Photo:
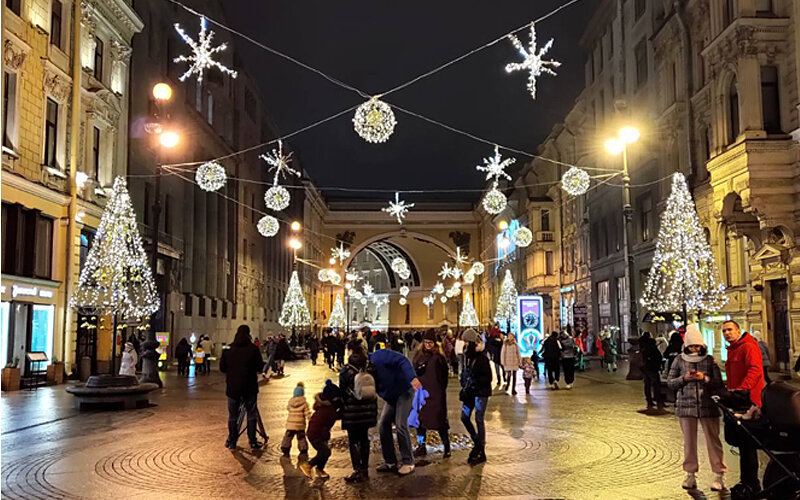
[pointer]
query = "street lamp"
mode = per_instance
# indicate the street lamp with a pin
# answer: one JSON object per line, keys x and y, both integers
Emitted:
{"x": 616, "y": 145}
{"x": 296, "y": 226}
{"x": 168, "y": 139}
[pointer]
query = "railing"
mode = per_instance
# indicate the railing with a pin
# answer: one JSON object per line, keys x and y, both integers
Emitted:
{"x": 545, "y": 236}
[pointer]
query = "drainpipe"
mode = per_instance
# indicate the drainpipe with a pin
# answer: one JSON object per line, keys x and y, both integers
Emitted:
{"x": 73, "y": 167}
{"x": 686, "y": 42}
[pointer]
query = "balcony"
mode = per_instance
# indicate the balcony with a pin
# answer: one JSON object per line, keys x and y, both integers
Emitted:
{"x": 545, "y": 236}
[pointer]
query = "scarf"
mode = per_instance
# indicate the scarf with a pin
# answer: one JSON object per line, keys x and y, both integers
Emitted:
{"x": 692, "y": 358}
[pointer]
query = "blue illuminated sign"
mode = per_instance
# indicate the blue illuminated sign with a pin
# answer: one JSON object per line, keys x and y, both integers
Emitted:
{"x": 529, "y": 324}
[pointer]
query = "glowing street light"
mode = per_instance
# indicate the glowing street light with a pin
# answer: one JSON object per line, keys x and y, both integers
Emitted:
{"x": 295, "y": 244}
{"x": 502, "y": 225}
{"x": 614, "y": 146}
{"x": 162, "y": 92}
{"x": 168, "y": 139}
{"x": 296, "y": 226}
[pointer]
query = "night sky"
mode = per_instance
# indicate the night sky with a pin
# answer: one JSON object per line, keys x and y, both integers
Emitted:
{"x": 376, "y": 45}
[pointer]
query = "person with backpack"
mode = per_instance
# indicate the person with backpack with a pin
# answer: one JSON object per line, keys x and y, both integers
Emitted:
{"x": 396, "y": 382}
{"x": 359, "y": 408}
{"x": 241, "y": 364}
{"x": 551, "y": 353}
{"x": 476, "y": 387}
{"x": 567, "y": 357}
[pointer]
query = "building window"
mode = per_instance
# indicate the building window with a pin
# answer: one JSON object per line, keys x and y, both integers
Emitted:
{"x": 733, "y": 112}
{"x": 645, "y": 216}
{"x": 9, "y": 108}
{"x": 210, "y": 110}
{"x": 640, "y": 53}
{"x": 187, "y": 301}
{"x": 55, "y": 23}
{"x": 50, "y": 133}
{"x": 548, "y": 263}
{"x": 225, "y": 309}
{"x": 27, "y": 242}
{"x": 770, "y": 99}
{"x": 96, "y": 153}
{"x": 639, "y": 8}
{"x": 201, "y": 310}
{"x": 213, "y": 308}
{"x": 98, "y": 59}
{"x": 14, "y": 6}
{"x": 602, "y": 292}
{"x": 86, "y": 238}
{"x": 545, "y": 220}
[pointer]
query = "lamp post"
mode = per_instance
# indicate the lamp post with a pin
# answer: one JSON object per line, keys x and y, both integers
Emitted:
{"x": 616, "y": 145}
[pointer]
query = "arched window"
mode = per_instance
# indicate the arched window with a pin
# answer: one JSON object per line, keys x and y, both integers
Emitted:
{"x": 733, "y": 112}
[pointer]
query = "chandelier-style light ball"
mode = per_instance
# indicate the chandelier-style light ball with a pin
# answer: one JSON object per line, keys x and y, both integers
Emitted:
{"x": 374, "y": 121}
{"x": 478, "y": 268}
{"x": 323, "y": 275}
{"x": 400, "y": 266}
{"x": 352, "y": 292}
{"x": 404, "y": 290}
{"x": 210, "y": 176}
{"x": 494, "y": 202}
{"x": 268, "y": 226}
{"x": 403, "y": 301}
{"x": 335, "y": 278}
{"x": 575, "y": 181}
{"x": 523, "y": 236}
{"x": 450, "y": 292}
{"x": 363, "y": 301}
{"x": 277, "y": 198}
{"x": 443, "y": 299}
{"x": 469, "y": 277}
{"x": 359, "y": 295}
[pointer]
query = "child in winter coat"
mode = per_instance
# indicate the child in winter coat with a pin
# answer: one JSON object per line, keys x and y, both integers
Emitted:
{"x": 326, "y": 405}
{"x": 695, "y": 377}
{"x": 528, "y": 371}
{"x": 129, "y": 359}
{"x": 299, "y": 413}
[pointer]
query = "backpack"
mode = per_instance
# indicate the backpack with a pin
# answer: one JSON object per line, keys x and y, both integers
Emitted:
{"x": 364, "y": 386}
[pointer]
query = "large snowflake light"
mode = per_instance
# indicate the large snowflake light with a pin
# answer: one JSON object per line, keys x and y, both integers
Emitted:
{"x": 210, "y": 176}
{"x": 202, "y": 53}
{"x": 495, "y": 166}
{"x": 279, "y": 162}
{"x": 446, "y": 271}
{"x": 575, "y": 181}
{"x": 533, "y": 61}
{"x": 340, "y": 253}
{"x": 398, "y": 208}
{"x": 374, "y": 121}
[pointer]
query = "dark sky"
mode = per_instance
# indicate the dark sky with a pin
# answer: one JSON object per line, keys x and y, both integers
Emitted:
{"x": 376, "y": 45}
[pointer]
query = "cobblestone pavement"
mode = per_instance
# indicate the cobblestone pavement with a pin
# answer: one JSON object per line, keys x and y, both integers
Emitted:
{"x": 588, "y": 443}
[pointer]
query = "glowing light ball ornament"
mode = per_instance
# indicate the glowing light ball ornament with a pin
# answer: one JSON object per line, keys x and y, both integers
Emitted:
{"x": 210, "y": 176}
{"x": 469, "y": 277}
{"x": 404, "y": 290}
{"x": 494, "y": 202}
{"x": 443, "y": 299}
{"x": 277, "y": 198}
{"x": 268, "y": 226}
{"x": 323, "y": 275}
{"x": 363, "y": 301}
{"x": 478, "y": 268}
{"x": 575, "y": 181}
{"x": 374, "y": 121}
{"x": 403, "y": 301}
{"x": 523, "y": 237}
{"x": 335, "y": 278}
{"x": 400, "y": 266}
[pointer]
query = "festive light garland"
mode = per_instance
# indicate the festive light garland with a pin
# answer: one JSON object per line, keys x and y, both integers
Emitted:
{"x": 468, "y": 315}
{"x": 522, "y": 236}
{"x": 116, "y": 278}
{"x": 294, "y": 312}
{"x": 210, "y": 176}
{"x": 533, "y": 60}
{"x": 684, "y": 272}
{"x": 374, "y": 121}
{"x": 494, "y": 201}
{"x": 277, "y": 198}
{"x": 268, "y": 226}
{"x": 507, "y": 300}
{"x": 575, "y": 181}
{"x": 202, "y": 53}
{"x": 338, "y": 318}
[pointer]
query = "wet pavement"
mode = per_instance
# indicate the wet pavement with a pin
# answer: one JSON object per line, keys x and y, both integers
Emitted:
{"x": 587, "y": 443}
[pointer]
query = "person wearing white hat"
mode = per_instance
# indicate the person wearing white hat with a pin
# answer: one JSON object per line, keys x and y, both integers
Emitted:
{"x": 695, "y": 377}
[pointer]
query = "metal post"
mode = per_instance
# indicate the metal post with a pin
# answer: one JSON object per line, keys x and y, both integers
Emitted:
{"x": 149, "y": 346}
{"x": 627, "y": 211}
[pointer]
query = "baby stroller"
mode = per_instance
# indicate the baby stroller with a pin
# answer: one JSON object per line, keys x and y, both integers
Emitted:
{"x": 777, "y": 433}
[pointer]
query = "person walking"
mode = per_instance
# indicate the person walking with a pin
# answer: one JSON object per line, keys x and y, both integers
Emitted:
{"x": 299, "y": 413}
{"x": 432, "y": 371}
{"x": 208, "y": 348}
{"x": 609, "y": 351}
{"x": 494, "y": 344}
{"x": 448, "y": 349}
{"x": 510, "y": 359}
{"x": 396, "y": 382}
{"x": 241, "y": 364}
{"x": 183, "y": 353}
{"x": 651, "y": 373}
{"x": 695, "y": 377}
{"x": 476, "y": 388}
{"x": 551, "y": 354}
{"x": 313, "y": 349}
{"x": 528, "y": 371}
{"x": 765, "y": 362}
{"x": 129, "y": 359}
{"x": 745, "y": 377}
{"x": 199, "y": 359}
{"x": 359, "y": 409}
{"x": 340, "y": 345}
{"x": 319, "y": 429}
{"x": 567, "y": 357}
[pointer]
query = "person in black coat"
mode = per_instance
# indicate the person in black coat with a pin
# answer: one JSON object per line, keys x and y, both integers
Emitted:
{"x": 183, "y": 353}
{"x": 241, "y": 364}
{"x": 313, "y": 348}
{"x": 651, "y": 371}
{"x": 551, "y": 354}
{"x": 433, "y": 372}
{"x": 476, "y": 387}
{"x": 358, "y": 415}
{"x": 674, "y": 348}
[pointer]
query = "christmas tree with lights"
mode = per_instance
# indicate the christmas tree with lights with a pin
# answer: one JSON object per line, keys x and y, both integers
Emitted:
{"x": 468, "y": 315}
{"x": 337, "y": 319}
{"x": 506, "y": 302}
{"x": 116, "y": 278}
{"x": 295, "y": 311}
{"x": 684, "y": 273}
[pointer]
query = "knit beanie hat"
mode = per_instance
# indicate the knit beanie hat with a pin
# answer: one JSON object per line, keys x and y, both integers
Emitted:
{"x": 470, "y": 335}
{"x": 330, "y": 391}
{"x": 299, "y": 390}
{"x": 693, "y": 336}
{"x": 430, "y": 335}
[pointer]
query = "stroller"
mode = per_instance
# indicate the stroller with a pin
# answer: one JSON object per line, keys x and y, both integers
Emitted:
{"x": 777, "y": 433}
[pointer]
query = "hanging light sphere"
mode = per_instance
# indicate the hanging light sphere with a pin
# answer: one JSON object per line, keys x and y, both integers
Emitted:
{"x": 523, "y": 237}
{"x": 268, "y": 226}
{"x": 494, "y": 202}
{"x": 403, "y": 301}
{"x": 323, "y": 275}
{"x": 443, "y": 299}
{"x": 277, "y": 198}
{"x": 469, "y": 277}
{"x": 400, "y": 266}
{"x": 352, "y": 292}
{"x": 374, "y": 121}
{"x": 359, "y": 295}
{"x": 335, "y": 278}
{"x": 363, "y": 301}
{"x": 404, "y": 290}
{"x": 575, "y": 181}
{"x": 210, "y": 176}
{"x": 478, "y": 268}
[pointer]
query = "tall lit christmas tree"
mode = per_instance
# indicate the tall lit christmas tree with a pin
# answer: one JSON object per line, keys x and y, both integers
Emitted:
{"x": 468, "y": 315}
{"x": 295, "y": 311}
{"x": 338, "y": 318}
{"x": 684, "y": 273}
{"x": 506, "y": 302}
{"x": 117, "y": 278}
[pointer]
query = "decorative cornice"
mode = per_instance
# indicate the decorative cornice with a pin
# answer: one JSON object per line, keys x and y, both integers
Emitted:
{"x": 14, "y": 52}
{"x": 56, "y": 85}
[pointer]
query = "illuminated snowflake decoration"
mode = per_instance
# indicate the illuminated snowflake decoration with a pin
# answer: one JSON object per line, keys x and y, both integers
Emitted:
{"x": 533, "y": 60}
{"x": 575, "y": 181}
{"x": 398, "y": 208}
{"x": 402, "y": 301}
{"x": 438, "y": 288}
{"x": 374, "y": 121}
{"x": 446, "y": 271}
{"x": 523, "y": 236}
{"x": 277, "y": 198}
{"x": 404, "y": 290}
{"x": 429, "y": 300}
{"x": 495, "y": 166}
{"x": 478, "y": 268}
{"x": 268, "y": 226}
{"x": 494, "y": 202}
{"x": 202, "y": 53}
{"x": 210, "y": 176}
{"x": 400, "y": 266}
{"x": 457, "y": 273}
{"x": 279, "y": 162}
{"x": 368, "y": 289}
{"x": 460, "y": 258}
{"x": 340, "y": 253}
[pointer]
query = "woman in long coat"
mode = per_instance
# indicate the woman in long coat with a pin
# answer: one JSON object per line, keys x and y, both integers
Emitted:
{"x": 510, "y": 359}
{"x": 432, "y": 371}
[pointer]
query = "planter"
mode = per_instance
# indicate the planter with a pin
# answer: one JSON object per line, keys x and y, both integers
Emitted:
{"x": 55, "y": 373}
{"x": 10, "y": 379}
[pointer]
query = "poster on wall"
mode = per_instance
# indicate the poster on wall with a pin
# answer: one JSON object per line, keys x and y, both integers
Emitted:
{"x": 529, "y": 323}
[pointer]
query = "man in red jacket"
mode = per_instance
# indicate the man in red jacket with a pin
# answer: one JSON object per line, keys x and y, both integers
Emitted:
{"x": 744, "y": 372}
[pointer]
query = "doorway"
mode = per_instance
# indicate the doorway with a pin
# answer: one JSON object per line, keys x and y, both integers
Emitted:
{"x": 780, "y": 322}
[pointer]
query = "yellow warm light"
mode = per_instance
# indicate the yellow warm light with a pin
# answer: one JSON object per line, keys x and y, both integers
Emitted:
{"x": 502, "y": 225}
{"x": 162, "y": 92}
{"x": 505, "y": 243}
{"x": 296, "y": 226}
{"x": 332, "y": 260}
{"x": 614, "y": 146}
{"x": 629, "y": 134}
{"x": 169, "y": 139}
{"x": 295, "y": 243}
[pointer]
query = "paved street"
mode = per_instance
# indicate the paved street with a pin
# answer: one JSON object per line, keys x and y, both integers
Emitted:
{"x": 581, "y": 444}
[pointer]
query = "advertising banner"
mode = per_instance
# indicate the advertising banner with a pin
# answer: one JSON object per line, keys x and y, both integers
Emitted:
{"x": 529, "y": 322}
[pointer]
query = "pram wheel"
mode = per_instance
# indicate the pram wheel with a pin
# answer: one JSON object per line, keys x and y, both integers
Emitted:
{"x": 778, "y": 485}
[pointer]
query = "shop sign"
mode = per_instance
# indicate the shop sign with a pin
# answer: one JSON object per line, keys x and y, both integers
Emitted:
{"x": 717, "y": 318}
{"x": 29, "y": 291}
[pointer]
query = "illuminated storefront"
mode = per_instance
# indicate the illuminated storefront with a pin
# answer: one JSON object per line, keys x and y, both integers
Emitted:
{"x": 28, "y": 318}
